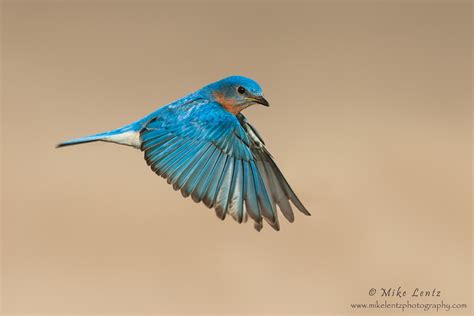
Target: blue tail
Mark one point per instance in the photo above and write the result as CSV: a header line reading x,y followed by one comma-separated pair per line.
x,y
82,140
106,136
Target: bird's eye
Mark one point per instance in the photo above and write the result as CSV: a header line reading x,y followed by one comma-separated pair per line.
x,y
241,90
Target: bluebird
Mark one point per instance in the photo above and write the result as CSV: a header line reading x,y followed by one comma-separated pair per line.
x,y
206,148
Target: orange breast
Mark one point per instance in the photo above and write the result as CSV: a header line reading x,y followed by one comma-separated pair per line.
x,y
227,103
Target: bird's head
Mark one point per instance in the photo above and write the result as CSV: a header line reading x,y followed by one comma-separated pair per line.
x,y
236,93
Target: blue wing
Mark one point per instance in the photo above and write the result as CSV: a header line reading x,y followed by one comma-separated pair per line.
x,y
218,159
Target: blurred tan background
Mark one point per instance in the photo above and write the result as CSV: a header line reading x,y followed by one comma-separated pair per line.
x,y
370,122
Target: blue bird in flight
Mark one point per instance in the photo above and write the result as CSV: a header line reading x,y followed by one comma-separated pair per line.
x,y
205,147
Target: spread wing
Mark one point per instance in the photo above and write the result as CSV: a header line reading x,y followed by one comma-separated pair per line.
x,y
218,159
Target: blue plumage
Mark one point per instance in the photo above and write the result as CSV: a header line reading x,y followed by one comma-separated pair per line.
x,y
206,148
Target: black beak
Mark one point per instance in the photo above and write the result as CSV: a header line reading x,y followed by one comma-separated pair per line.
x,y
261,100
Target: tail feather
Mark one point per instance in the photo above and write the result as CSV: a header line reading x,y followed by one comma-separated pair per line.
x,y
83,140
127,135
